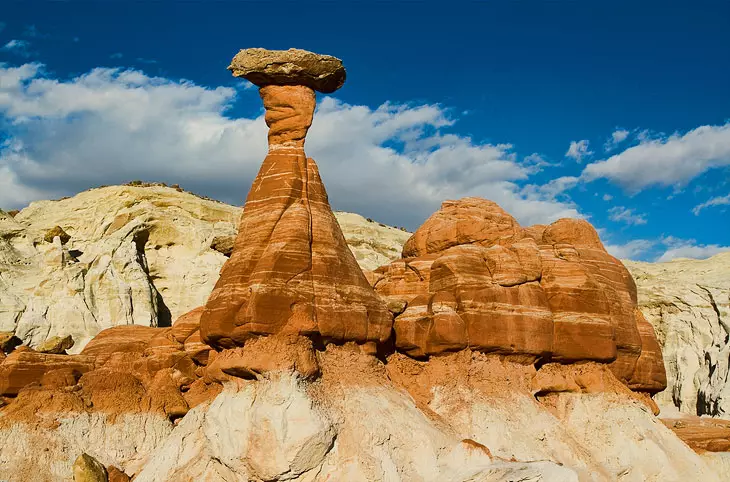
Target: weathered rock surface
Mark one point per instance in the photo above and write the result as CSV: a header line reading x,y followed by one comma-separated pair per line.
x,y
373,244
263,67
471,277
88,469
291,270
688,304
56,344
150,255
464,416
702,434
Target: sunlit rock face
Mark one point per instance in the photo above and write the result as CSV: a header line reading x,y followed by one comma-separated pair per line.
x,y
471,277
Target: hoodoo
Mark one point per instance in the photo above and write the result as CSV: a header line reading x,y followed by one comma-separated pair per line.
x,y
291,271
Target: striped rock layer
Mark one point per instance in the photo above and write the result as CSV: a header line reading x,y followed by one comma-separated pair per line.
x,y
291,271
471,277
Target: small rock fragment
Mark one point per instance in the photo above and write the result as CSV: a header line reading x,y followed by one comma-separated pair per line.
x,y
87,469
223,244
56,231
56,345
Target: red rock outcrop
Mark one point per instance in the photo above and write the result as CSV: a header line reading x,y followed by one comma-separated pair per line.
x,y
471,277
701,433
24,366
290,270
123,369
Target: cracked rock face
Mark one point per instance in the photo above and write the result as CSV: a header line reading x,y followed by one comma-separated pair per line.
x,y
263,67
688,303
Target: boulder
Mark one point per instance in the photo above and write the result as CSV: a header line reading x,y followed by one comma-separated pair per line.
x,y
56,231
263,67
56,344
87,469
116,475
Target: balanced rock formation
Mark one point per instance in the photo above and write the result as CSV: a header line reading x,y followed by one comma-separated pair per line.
x,y
291,270
471,277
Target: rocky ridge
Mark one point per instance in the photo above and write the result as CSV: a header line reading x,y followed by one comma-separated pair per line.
x,y
136,255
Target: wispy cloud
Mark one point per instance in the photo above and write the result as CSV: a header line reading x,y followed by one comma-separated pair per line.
x,y
715,201
617,137
578,150
17,47
621,214
2,26
607,197
146,61
116,55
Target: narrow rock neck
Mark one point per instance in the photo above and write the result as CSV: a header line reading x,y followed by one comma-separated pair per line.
x,y
289,112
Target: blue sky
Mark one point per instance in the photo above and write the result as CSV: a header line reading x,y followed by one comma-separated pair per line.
x,y
612,111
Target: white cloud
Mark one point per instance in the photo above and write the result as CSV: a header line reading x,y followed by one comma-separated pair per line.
x,y
617,137
536,162
678,248
607,197
578,150
635,249
621,214
110,125
553,188
665,161
715,201
18,47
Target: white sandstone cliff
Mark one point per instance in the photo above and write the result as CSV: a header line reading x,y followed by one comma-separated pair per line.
x,y
688,303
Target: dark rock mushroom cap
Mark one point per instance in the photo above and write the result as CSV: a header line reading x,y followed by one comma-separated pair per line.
x,y
261,67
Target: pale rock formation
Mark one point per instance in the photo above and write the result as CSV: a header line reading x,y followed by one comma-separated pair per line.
x,y
688,304
46,452
367,434
373,244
